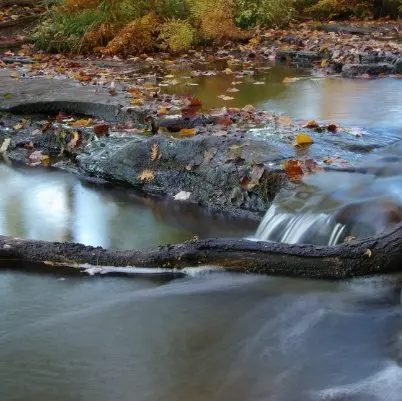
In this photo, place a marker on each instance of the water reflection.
(54, 206)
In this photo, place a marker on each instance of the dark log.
(375, 255)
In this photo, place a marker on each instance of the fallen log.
(375, 255)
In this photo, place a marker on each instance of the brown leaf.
(154, 152)
(293, 169)
(101, 129)
(311, 124)
(146, 175)
(256, 174)
(332, 127)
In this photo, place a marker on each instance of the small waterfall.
(293, 228)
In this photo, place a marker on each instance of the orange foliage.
(135, 38)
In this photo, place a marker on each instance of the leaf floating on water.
(14, 74)
(146, 175)
(224, 97)
(288, 80)
(259, 83)
(233, 90)
(303, 139)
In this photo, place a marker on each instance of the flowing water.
(213, 336)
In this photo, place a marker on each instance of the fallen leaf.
(311, 124)
(182, 196)
(293, 169)
(154, 152)
(259, 83)
(303, 139)
(186, 132)
(349, 238)
(256, 174)
(73, 141)
(101, 129)
(227, 71)
(14, 74)
(146, 175)
(162, 111)
(81, 123)
(224, 97)
(248, 108)
(368, 253)
(5, 145)
(332, 127)
(288, 80)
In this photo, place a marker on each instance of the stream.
(207, 336)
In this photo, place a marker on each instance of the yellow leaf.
(288, 80)
(137, 102)
(162, 111)
(303, 139)
(187, 132)
(324, 63)
(14, 75)
(154, 152)
(146, 175)
(81, 123)
(368, 253)
(227, 71)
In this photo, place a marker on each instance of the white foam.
(384, 385)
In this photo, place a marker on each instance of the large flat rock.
(41, 95)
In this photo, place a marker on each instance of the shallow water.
(56, 206)
(214, 337)
(210, 337)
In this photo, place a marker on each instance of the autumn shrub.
(341, 8)
(136, 37)
(176, 35)
(215, 19)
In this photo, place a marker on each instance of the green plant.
(176, 35)
(66, 32)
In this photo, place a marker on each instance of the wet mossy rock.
(205, 166)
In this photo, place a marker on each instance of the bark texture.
(375, 255)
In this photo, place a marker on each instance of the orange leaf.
(293, 169)
(311, 124)
(186, 132)
(162, 111)
(303, 139)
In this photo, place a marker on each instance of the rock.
(354, 70)
(398, 66)
(303, 59)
